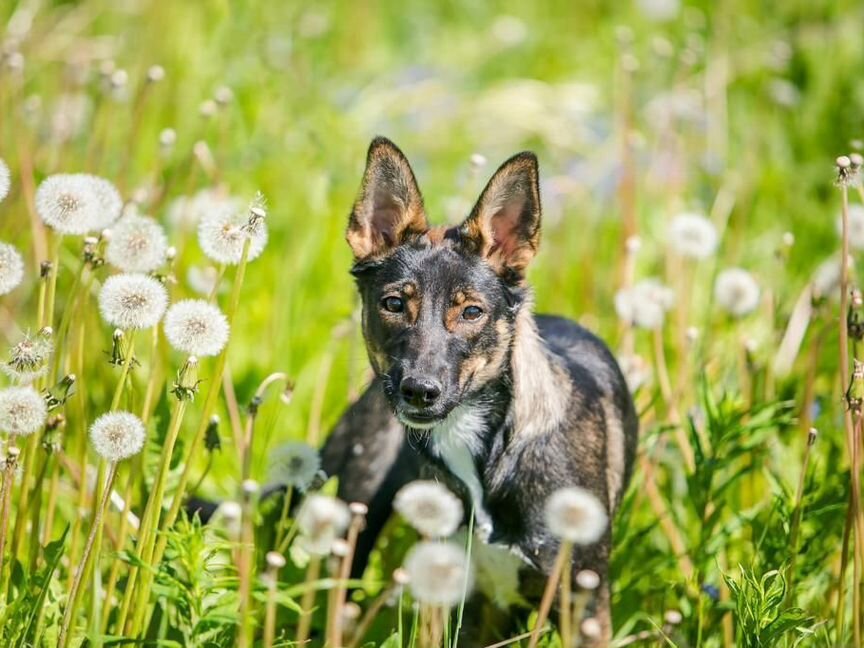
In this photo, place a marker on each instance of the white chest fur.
(455, 441)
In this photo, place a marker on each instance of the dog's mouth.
(419, 420)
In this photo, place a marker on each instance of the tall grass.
(737, 529)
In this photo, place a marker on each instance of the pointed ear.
(389, 208)
(504, 226)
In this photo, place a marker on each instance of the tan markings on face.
(377, 357)
(480, 369)
(461, 300)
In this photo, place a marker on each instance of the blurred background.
(638, 110)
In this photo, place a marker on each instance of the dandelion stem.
(10, 465)
(207, 410)
(308, 600)
(561, 562)
(565, 606)
(83, 566)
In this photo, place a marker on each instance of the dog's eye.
(393, 304)
(472, 313)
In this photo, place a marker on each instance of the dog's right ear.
(389, 208)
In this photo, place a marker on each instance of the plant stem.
(565, 605)
(561, 562)
(308, 600)
(83, 566)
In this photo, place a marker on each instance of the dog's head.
(439, 304)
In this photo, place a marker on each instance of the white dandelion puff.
(636, 371)
(644, 304)
(137, 244)
(228, 517)
(826, 279)
(294, 464)
(117, 435)
(692, 235)
(110, 204)
(736, 291)
(223, 232)
(856, 226)
(438, 573)
(576, 515)
(321, 520)
(68, 203)
(28, 359)
(196, 327)
(132, 301)
(11, 268)
(22, 410)
(203, 280)
(430, 508)
(5, 180)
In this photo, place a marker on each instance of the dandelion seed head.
(167, 138)
(673, 617)
(437, 573)
(736, 292)
(591, 628)
(321, 520)
(692, 235)
(155, 73)
(636, 370)
(196, 327)
(11, 268)
(23, 410)
(588, 579)
(826, 280)
(294, 464)
(275, 560)
(5, 180)
(132, 301)
(138, 244)
(117, 435)
(430, 508)
(644, 304)
(576, 515)
(28, 359)
(222, 233)
(77, 203)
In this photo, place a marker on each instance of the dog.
(506, 405)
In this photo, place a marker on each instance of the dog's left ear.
(504, 226)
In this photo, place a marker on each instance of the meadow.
(700, 183)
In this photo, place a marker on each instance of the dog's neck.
(527, 399)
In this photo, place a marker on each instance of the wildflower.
(848, 175)
(438, 573)
(11, 268)
(576, 515)
(196, 327)
(227, 516)
(294, 464)
(69, 203)
(28, 359)
(223, 232)
(137, 244)
(22, 410)
(132, 301)
(736, 291)
(430, 508)
(117, 435)
(321, 520)
(644, 304)
(636, 370)
(826, 279)
(856, 226)
(5, 180)
(110, 203)
(659, 10)
(693, 235)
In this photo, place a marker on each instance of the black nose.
(419, 392)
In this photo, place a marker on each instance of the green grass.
(312, 86)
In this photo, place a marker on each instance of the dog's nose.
(419, 392)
